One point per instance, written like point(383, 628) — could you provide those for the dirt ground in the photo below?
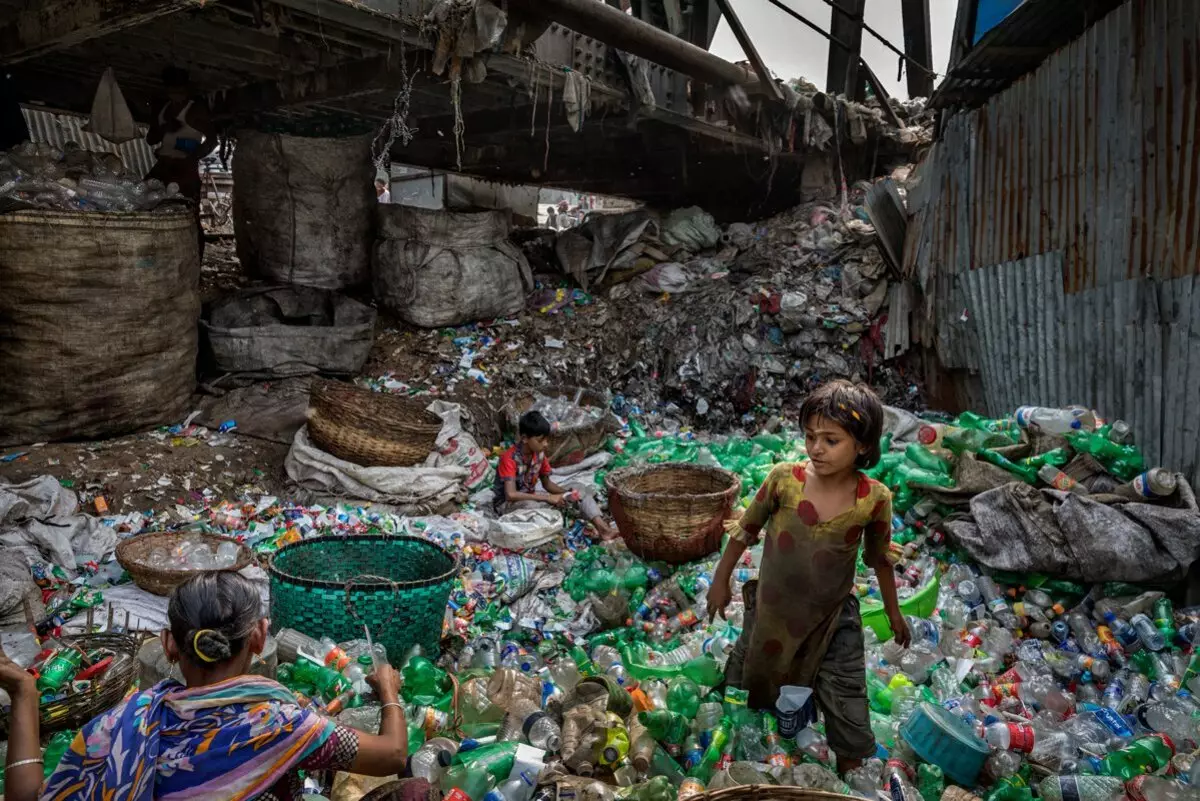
point(146, 472)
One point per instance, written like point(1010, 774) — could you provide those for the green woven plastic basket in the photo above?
point(331, 586)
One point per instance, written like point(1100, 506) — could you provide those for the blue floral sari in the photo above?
point(231, 740)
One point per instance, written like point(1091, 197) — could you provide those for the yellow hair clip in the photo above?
point(196, 644)
point(856, 417)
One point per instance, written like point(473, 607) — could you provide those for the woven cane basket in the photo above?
point(671, 512)
point(78, 708)
point(372, 429)
point(332, 586)
point(134, 556)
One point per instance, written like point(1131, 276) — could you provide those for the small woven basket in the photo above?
point(568, 444)
point(134, 556)
point(78, 708)
point(672, 512)
point(372, 429)
point(332, 586)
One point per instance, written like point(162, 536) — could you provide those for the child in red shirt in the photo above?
point(523, 466)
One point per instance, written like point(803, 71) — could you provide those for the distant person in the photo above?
point(184, 132)
point(552, 218)
point(382, 192)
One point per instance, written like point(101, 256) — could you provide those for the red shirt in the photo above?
point(526, 470)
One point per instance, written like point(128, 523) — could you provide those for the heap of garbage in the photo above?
point(73, 179)
point(1037, 669)
point(687, 322)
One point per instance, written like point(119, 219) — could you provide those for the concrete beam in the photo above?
point(48, 26)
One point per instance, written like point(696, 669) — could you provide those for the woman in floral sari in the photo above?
point(226, 734)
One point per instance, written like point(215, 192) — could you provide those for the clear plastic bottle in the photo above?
point(1085, 634)
point(1150, 636)
point(1055, 421)
point(432, 759)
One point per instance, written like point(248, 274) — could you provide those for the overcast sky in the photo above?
point(792, 49)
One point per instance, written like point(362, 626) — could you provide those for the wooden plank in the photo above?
point(45, 27)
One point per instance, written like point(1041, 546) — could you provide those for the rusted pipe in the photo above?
point(617, 29)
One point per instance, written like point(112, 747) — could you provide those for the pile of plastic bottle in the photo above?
point(74, 179)
point(609, 681)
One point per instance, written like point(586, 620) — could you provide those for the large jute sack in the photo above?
point(304, 209)
point(98, 317)
point(436, 268)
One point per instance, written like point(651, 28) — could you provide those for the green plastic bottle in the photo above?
point(683, 696)
point(1027, 474)
point(703, 669)
point(703, 770)
point(1145, 755)
point(461, 781)
point(497, 759)
point(326, 682)
point(1125, 461)
point(926, 459)
point(665, 726)
point(658, 788)
point(424, 682)
point(931, 782)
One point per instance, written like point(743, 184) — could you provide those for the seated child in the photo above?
point(525, 464)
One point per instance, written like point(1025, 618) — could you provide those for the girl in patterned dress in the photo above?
point(812, 517)
point(225, 735)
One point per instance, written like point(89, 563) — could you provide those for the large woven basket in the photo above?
point(568, 444)
point(671, 512)
point(331, 586)
point(134, 556)
point(78, 708)
point(372, 429)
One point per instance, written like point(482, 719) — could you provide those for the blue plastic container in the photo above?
point(943, 739)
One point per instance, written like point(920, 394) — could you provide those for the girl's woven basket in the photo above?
point(78, 708)
point(568, 444)
point(331, 586)
point(672, 512)
point(134, 556)
point(372, 429)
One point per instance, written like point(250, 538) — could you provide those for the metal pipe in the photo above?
point(625, 32)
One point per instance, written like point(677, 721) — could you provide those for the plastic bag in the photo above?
point(111, 118)
point(526, 528)
point(455, 447)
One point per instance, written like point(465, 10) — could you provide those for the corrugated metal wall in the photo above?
point(58, 129)
point(1056, 232)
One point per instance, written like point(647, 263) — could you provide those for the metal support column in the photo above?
point(918, 46)
point(845, 26)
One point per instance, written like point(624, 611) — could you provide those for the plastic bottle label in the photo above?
point(1020, 738)
point(689, 788)
point(1113, 722)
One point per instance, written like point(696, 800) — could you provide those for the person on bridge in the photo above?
point(184, 133)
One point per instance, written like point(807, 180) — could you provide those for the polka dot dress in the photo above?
point(807, 571)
